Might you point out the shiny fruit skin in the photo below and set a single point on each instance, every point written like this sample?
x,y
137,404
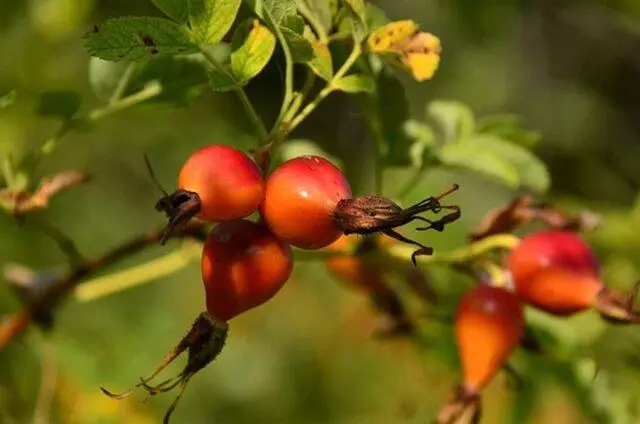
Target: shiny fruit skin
x,y
229,183
489,325
300,197
352,270
555,271
243,266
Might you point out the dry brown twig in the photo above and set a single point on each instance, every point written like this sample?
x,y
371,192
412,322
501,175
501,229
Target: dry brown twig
x,y
59,287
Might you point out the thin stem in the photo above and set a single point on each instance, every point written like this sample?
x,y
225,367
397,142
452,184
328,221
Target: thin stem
x,y
302,95
328,89
255,120
123,83
288,76
462,255
148,92
135,276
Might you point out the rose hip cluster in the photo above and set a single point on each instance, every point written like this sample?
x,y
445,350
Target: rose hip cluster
x,y
305,202
553,271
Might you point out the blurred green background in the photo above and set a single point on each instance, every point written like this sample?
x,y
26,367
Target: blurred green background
x,y
570,68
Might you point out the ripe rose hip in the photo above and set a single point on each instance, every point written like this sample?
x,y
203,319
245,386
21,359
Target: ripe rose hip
x,y
555,271
216,183
243,266
300,197
489,325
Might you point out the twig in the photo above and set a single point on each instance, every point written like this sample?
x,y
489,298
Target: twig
x,y
60,288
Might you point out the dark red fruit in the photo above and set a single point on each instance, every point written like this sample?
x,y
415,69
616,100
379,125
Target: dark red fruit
x,y
300,197
243,266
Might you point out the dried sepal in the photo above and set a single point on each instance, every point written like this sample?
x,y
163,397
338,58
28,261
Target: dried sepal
x,y
463,402
526,209
618,308
204,342
372,214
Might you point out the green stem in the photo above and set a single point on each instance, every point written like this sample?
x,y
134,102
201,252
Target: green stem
x,y
135,276
257,123
328,89
148,92
123,83
464,254
302,95
288,76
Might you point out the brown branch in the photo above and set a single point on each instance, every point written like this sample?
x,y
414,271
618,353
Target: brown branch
x,y
45,300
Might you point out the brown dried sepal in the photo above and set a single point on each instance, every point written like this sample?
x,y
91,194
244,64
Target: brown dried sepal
x,y
180,207
372,214
22,202
524,210
204,342
618,308
463,402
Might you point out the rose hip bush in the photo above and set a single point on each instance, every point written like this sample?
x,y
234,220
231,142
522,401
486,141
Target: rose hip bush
x,y
255,215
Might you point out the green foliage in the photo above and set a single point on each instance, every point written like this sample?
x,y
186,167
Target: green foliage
x,y
62,104
138,38
105,77
176,9
321,63
454,119
355,83
293,29
211,19
8,99
253,46
273,11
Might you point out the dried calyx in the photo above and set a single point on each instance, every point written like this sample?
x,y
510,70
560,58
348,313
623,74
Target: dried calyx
x,y
463,401
618,308
204,342
371,214
180,206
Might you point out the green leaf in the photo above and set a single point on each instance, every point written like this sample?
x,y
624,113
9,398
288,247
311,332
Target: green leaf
x,y
321,63
322,10
375,17
423,140
138,38
474,158
292,28
8,99
355,84
508,127
105,76
176,9
211,19
273,11
358,8
253,46
61,104
532,172
222,81
454,118
182,78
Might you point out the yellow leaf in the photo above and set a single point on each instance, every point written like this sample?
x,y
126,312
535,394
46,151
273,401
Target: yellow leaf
x,y
402,44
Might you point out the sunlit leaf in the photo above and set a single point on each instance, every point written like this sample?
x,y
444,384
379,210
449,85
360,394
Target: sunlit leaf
x,y
8,99
292,28
138,38
253,46
454,118
222,81
276,10
532,172
473,157
211,19
321,63
355,84
508,127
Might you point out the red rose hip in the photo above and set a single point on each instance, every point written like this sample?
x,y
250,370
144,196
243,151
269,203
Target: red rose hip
x,y
555,271
216,183
300,197
243,266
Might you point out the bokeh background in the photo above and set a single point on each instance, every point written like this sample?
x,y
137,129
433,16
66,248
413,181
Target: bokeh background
x,y
570,68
